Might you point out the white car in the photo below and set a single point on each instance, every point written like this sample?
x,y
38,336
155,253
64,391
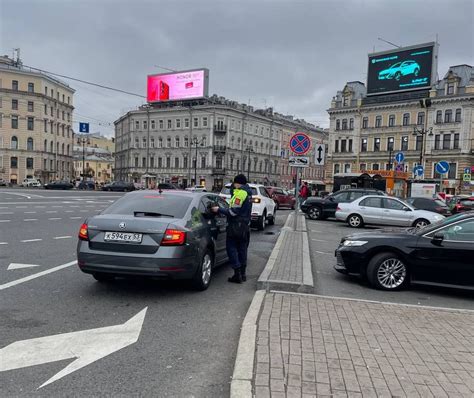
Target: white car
x,y
373,209
30,182
197,188
263,206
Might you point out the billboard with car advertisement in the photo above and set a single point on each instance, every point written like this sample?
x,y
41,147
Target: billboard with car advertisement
x,y
405,69
181,85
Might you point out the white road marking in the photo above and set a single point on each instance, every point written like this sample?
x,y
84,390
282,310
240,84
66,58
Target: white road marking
x,y
57,206
316,251
40,207
30,240
28,196
69,211
21,207
20,266
74,206
83,211
4,207
51,211
4,220
55,218
30,219
62,237
34,276
319,240
30,212
6,212
74,218
3,243
85,346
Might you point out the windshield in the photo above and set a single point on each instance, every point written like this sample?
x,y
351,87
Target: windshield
x,y
173,205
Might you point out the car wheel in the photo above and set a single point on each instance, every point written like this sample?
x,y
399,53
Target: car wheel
x,y
398,75
416,72
420,223
203,275
271,219
315,213
262,221
355,221
387,272
103,277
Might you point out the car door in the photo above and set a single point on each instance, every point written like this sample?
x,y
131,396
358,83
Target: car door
x,y
331,202
396,213
448,261
281,197
371,210
217,224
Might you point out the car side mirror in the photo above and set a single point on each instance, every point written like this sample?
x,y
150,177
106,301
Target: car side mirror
x,y
406,208
437,238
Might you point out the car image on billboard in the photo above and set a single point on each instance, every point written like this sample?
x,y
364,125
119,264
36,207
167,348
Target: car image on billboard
x,y
177,85
404,69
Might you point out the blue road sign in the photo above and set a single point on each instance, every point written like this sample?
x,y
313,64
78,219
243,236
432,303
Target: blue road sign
x,y
300,143
442,167
400,167
467,170
83,127
418,170
399,157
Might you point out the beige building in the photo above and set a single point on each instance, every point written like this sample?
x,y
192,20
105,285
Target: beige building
x,y
36,136
428,126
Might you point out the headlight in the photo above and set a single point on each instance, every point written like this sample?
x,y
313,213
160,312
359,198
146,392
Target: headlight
x,y
354,242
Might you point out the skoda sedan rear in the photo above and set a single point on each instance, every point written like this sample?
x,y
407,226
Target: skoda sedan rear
x,y
171,235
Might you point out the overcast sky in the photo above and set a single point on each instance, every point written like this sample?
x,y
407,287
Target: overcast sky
x,y
292,55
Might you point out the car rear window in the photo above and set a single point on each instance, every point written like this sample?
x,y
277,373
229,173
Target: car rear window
x,y
172,205
440,203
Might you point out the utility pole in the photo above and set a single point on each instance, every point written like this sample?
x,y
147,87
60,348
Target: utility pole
x,y
147,145
248,149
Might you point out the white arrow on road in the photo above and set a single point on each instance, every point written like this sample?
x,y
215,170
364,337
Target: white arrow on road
x,y
86,346
20,266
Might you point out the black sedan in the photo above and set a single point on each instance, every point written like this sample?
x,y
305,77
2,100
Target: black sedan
x,y
119,186
439,254
59,185
170,234
434,205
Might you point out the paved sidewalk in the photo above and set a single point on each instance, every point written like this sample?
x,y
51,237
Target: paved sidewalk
x,y
289,265
309,346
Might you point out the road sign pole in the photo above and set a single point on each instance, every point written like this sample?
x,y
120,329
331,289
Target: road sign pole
x,y
297,204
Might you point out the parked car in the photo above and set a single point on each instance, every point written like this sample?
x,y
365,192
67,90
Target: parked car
x,y
31,183
435,205
172,234
281,197
3,183
322,208
375,209
86,185
119,186
263,206
59,185
399,69
197,188
439,254
166,185
463,204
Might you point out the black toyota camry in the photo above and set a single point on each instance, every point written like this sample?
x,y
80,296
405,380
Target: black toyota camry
x,y
439,254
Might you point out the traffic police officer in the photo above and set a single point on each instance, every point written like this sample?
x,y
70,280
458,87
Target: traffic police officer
x,y
238,227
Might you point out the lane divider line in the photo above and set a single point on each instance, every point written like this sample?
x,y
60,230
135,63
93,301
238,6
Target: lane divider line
x,y
5,220
30,240
54,218
30,219
62,237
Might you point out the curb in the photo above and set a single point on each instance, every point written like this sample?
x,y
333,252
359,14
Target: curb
x,y
241,385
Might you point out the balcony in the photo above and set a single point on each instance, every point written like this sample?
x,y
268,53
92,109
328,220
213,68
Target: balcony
x,y
218,171
219,148
220,128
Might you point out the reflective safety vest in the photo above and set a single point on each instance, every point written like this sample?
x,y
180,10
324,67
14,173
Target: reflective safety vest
x,y
238,198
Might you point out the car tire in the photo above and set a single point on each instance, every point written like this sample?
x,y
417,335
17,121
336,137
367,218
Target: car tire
x,y
386,271
398,75
103,277
416,72
420,223
271,219
202,278
355,221
315,213
262,221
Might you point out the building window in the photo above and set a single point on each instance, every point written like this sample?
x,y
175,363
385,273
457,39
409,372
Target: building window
x,y
176,142
375,166
14,104
14,162
452,173
338,124
347,168
365,122
186,123
448,116
29,163
406,119
376,144
29,144
161,124
15,85
363,145
336,146
45,126
390,142
458,115
437,141
456,141
363,167
68,99
378,121
336,169
176,163
168,142
137,143
178,123
31,87
153,124
196,122
152,142
145,125
421,118
160,162
185,162
439,116
186,142
205,121
343,146
203,162
344,124
14,121
345,100
144,143
169,124
446,141
419,142
51,111
450,89
168,162
14,143
350,145
351,124
31,107
391,121
404,145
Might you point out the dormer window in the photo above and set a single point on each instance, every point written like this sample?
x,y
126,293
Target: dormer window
x,y
345,101
450,88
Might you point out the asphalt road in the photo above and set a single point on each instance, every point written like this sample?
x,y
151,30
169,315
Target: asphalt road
x,y
324,237
186,345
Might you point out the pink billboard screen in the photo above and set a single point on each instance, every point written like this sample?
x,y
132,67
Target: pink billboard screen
x,y
177,86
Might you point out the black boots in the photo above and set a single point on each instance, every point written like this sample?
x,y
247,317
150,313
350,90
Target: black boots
x,y
237,277
242,273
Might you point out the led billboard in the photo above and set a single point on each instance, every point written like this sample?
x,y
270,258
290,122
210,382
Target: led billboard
x,y
178,85
405,69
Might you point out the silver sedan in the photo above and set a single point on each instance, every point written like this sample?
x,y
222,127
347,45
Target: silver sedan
x,y
385,211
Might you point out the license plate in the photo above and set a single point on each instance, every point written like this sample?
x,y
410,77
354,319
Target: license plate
x,y
123,237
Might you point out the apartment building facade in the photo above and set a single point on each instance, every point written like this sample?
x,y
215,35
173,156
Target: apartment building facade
x,y
36,135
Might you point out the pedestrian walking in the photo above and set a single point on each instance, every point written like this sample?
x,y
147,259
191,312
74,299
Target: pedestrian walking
x,y
304,192
238,227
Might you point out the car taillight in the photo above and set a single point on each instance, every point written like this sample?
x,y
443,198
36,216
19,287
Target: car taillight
x,y
173,237
256,200
458,206
83,232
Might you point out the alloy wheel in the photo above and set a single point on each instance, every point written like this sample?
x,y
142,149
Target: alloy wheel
x,y
206,269
355,221
314,213
391,273
421,224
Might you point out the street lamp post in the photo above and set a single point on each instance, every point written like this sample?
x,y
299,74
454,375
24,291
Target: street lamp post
x,y
195,142
422,133
83,141
248,149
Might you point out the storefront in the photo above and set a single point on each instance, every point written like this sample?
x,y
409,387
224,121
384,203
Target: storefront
x,y
390,181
